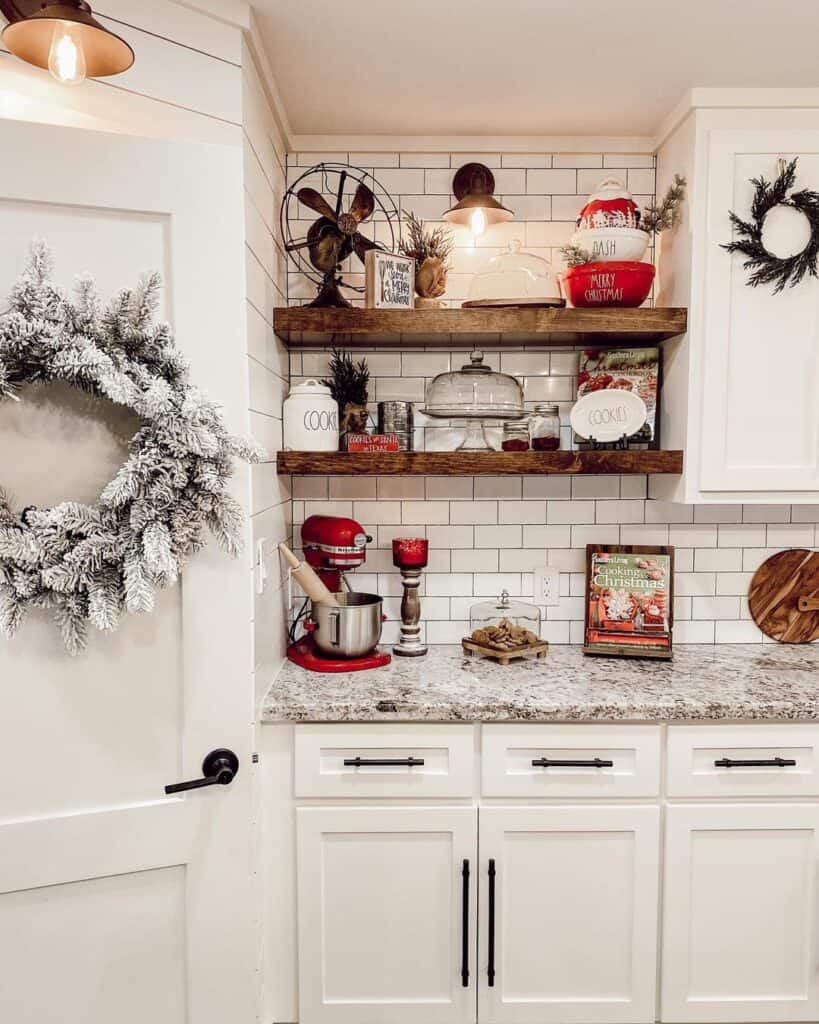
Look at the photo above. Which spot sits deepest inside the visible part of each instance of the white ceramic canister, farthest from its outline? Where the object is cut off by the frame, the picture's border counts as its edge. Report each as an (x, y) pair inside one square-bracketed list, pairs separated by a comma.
[(310, 418)]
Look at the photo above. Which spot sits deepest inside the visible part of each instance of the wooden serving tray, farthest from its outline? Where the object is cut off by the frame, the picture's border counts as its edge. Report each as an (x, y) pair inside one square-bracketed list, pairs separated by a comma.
[(539, 649)]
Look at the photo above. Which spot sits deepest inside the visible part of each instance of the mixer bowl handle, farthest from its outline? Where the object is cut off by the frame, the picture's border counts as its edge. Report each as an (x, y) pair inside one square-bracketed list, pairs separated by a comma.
[(335, 615)]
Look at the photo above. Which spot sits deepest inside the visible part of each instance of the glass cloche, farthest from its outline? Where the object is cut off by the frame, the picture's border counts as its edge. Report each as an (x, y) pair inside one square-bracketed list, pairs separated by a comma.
[(475, 390), (515, 278), (491, 613)]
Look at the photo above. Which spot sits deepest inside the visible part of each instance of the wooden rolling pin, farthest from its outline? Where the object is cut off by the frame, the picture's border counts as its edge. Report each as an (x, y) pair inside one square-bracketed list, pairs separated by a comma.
[(307, 579)]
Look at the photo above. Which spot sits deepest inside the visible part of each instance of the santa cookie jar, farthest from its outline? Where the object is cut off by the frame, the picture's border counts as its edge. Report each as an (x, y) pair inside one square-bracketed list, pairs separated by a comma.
[(608, 226)]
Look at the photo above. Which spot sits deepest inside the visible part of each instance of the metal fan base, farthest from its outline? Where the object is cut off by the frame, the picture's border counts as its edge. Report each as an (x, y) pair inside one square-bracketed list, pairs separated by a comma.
[(329, 297)]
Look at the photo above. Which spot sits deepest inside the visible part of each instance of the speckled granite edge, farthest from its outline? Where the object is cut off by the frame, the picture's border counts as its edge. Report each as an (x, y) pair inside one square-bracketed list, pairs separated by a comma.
[(737, 683)]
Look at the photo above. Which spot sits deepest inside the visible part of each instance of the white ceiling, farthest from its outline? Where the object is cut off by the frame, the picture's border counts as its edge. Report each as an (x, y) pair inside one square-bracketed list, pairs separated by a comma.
[(524, 67)]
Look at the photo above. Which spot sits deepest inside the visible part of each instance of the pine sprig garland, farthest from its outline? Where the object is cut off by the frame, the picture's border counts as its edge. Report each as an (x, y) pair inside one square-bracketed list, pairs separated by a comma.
[(768, 268), (89, 564)]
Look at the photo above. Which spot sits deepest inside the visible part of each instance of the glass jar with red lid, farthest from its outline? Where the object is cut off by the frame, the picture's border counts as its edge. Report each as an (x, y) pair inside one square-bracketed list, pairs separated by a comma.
[(544, 428)]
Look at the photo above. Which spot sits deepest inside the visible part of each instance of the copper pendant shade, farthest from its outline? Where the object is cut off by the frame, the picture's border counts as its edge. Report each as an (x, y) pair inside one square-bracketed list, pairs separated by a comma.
[(473, 186), (30, 33)]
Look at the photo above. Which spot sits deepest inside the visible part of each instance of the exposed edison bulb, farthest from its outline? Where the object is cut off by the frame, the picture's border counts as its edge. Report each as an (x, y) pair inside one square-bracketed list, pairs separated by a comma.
[(66, 59), (477, 222)]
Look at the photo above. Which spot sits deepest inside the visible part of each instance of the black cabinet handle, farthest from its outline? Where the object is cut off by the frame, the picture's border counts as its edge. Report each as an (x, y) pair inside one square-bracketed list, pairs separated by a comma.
[(490, 966), (595, 762), (771, 762), (383, 762), (219, 768), (465, 925)]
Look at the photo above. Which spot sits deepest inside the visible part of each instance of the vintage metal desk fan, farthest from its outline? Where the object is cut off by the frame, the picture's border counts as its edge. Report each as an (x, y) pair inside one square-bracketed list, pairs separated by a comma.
[(345, 198)]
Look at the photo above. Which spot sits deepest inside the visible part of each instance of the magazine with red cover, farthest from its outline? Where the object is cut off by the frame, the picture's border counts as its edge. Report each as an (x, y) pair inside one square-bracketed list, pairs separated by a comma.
[(629, 595)]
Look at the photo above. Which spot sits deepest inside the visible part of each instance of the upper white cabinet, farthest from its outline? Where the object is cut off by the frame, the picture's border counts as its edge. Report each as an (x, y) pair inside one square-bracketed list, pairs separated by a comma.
[(741, 387)]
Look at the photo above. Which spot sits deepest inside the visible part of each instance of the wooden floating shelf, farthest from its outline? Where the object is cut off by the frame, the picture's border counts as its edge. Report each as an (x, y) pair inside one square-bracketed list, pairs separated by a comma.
[(640, 328), (477, 463)]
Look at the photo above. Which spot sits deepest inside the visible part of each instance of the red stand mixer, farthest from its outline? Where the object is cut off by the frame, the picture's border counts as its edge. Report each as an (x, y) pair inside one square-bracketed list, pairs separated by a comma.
[(343, 629)]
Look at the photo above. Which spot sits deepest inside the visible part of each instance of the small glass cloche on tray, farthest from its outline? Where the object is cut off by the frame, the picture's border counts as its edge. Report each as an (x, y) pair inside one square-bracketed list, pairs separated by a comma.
[(503, 628)]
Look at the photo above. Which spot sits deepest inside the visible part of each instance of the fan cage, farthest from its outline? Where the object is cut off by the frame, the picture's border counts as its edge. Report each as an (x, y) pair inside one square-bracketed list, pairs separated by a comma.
[(358, 176)]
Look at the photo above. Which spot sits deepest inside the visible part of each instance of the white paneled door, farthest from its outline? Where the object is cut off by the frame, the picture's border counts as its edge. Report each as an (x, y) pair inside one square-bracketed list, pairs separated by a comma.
[(568, 920), (117, 902), (740, 914), (387, 906)]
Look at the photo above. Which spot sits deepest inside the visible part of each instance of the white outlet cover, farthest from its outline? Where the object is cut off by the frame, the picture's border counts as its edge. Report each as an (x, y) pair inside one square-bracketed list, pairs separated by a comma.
[(547, 586)]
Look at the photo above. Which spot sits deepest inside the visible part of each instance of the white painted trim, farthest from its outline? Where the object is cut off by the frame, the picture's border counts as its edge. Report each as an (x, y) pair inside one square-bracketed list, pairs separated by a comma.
[(233, 12), (471, 144), (254, 43)]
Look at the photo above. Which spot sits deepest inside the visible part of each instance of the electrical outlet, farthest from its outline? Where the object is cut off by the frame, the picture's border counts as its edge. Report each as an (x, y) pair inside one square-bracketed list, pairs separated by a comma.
[(547, 586)]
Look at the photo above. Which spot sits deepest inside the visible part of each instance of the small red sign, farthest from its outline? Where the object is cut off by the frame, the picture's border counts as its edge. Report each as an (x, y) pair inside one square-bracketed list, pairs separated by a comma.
[(373, 443)]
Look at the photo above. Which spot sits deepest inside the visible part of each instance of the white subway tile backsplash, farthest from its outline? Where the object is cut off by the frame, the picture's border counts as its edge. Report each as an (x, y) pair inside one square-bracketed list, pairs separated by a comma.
[(423, 159), (452, 584), (693, 632), (718, 514), (475, 560), (766, 513), (387, 512), (559, 181), (644, 533), (450, 536), (718, 560), (742, 632), (354, 488), (538, 536), (474, 512), (500, 537), (450, 487), (491, 584), (626, 510), (570, 512), (577, 160), (583, 535), (425, 513), (521, 512), (693, 535), (789, 535), (695, 584), (741, 536), (400, 488), (554, 487), (588, 180), (736, 583), (526, 160), (668, 512), (710, 607), (447, 632), (634, 487), (498, 487), (805, 513)]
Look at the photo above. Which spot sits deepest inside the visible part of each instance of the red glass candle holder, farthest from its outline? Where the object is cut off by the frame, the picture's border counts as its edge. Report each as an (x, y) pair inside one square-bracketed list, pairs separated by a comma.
[(410, 552)]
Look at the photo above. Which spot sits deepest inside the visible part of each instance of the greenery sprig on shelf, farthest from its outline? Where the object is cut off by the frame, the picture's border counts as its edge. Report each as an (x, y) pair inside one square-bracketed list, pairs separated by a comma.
[(424, 243)]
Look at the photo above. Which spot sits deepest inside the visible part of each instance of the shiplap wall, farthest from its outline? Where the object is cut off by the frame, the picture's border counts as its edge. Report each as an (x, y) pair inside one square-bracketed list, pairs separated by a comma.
[(487, 533)]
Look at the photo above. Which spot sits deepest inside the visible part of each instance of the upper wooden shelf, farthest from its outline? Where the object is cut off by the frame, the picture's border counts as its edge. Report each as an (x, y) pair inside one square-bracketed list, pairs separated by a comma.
[(300, 325), (479, 463)]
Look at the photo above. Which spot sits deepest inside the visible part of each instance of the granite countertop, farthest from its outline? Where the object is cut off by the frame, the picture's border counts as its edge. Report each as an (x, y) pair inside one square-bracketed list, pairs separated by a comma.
[(742, 682)]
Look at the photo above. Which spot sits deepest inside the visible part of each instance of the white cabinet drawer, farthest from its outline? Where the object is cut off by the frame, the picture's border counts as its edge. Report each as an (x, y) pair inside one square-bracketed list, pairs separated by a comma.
[(571, 761), (383, 761), (724, 760)]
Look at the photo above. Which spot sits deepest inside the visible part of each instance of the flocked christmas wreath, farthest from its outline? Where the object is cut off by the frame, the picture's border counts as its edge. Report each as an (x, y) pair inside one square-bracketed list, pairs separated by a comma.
[(768, 268), (89, 563)]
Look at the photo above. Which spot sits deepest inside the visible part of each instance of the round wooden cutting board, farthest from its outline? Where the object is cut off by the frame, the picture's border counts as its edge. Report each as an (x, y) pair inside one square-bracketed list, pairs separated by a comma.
[(775, 591)]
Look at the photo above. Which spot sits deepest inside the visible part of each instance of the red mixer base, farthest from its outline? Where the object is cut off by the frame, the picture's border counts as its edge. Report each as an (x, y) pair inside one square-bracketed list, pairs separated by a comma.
[(304, 653)]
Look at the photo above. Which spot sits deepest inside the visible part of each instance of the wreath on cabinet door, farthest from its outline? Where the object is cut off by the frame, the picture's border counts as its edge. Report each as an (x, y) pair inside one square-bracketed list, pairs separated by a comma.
[(768, 268), (89, 563)]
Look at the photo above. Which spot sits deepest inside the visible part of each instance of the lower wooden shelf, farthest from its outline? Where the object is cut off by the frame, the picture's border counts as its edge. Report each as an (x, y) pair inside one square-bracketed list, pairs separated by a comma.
[(477, 463)]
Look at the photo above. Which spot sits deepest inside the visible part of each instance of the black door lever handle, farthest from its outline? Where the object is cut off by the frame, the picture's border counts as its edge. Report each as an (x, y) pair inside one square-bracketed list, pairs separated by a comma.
[(219, 768)]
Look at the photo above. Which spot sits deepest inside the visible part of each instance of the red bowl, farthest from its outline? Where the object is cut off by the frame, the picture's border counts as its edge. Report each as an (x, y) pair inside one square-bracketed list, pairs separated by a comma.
[(616, 283)]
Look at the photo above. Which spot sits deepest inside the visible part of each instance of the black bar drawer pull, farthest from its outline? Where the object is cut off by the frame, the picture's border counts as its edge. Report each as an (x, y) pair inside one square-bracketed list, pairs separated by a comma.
[(595, 762), (490, 964), (465, 925), (771, 762), (383, 762)]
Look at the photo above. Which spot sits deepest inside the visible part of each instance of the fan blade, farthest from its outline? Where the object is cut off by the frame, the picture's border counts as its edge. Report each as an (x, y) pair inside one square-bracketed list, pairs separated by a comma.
[(326, 244), (362, 245), (363, 204), (316, 202)]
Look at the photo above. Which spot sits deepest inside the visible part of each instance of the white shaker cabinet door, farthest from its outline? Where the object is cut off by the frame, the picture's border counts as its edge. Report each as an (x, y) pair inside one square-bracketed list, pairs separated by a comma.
[(381, 896), (568, 918), (760, 351), (740, 914)]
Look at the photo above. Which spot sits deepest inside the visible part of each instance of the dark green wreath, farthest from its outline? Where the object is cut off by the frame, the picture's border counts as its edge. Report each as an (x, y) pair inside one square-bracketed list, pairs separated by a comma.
[(767, 268)]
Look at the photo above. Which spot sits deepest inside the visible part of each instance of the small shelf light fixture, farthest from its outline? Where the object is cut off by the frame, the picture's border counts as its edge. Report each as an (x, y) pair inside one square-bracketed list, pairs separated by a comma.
[(477, 207), (65, 39)]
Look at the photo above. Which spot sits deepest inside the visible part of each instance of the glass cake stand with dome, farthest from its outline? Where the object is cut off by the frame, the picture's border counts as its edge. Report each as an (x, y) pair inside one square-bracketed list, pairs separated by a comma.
[(515, 279), (474, 393)]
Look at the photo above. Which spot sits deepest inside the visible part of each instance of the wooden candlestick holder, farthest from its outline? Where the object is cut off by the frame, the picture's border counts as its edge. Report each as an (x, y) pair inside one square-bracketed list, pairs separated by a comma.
[(410, 646)]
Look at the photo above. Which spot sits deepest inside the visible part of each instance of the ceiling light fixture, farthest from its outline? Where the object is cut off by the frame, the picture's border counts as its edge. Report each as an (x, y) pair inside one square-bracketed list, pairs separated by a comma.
[(476, 208), (65, 39)]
